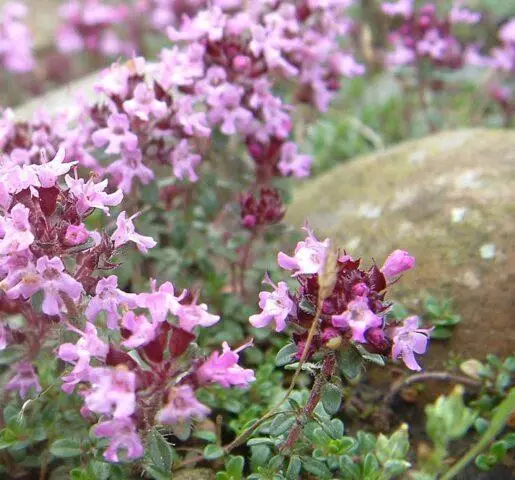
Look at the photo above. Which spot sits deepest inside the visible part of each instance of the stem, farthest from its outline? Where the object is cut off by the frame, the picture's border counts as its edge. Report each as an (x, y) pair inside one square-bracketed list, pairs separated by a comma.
[(245, 260), (505, 409), (314, 397), (421, 88), (422, 377)]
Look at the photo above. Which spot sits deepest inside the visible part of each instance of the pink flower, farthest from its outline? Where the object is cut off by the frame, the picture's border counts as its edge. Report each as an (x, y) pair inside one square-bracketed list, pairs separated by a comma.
[(122, 436), (410, 339), (76, 235), (24, 379), (293, 163), (359, 318), (128, 168), (49, 276), (184, 162), (108, 298), (87, 347), (91, 195), (226, 108), (112, 392), (193, 315), (207, 22), (276, 306), (459, 14), (144, 104), (507, 32), (397, 262), (49, 172), (117, 134), (182, 406), (160, 302), (3, 337), (401, 7), (224, 369), (16, 231), (142, 330), (126, 232), (308, 258)]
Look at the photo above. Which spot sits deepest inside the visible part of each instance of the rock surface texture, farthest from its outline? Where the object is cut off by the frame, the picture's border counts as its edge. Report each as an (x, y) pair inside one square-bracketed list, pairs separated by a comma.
[(448, 199)]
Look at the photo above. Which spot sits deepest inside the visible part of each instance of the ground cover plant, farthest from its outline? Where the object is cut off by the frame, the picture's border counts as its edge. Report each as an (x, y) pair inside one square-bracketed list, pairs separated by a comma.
[(158, 316)]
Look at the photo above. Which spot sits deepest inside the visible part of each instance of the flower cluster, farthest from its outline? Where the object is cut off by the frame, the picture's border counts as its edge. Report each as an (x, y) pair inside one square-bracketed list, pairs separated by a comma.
[(501, 60), (90, 25), (268, 209), (50, 273), (15, 39), (424, 35), (353, 312)]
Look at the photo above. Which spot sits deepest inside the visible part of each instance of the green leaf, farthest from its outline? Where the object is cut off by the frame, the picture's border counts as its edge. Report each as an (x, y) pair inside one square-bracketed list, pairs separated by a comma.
[(234, 467), (482, 463), (286, 355), (260, 441), (331, 398), (65, 448), (206, 435), (294, 466), (395, 447), (259, 456), (335, 428), (350, 363), (157, 474), (498, 450), (349, 468), (394, 468), (281, 424), (160, 452), (316, 467), (369, 357), (441, 333), (213, 451), (370, 466)]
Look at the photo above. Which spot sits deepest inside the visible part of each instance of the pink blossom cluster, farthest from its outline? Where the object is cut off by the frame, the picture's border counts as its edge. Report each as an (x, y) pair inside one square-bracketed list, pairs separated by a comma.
[(16, 41), (425, 35), (501, 59), (91, 25), (51, 268), (353, 312)]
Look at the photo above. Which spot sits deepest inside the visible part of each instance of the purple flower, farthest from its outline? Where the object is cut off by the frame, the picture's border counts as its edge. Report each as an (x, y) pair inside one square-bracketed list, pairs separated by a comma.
[(193, 315), (117, 134), (226, 108), (224, 369), (409, 339), (308, 258), (24, 379), (55, 280), (108, 298), (112, 392), (276, 306), (122, 436), (142, 330), (507, 32), (184, 162), (397, 262), (16, 231), (401, 7), (182, 406), (459, 14), (293, 163), (160, 302), (144, 104), (49, 172), (129, 167), (91, 195), (359, 318), (87, 347), (76, 235), (126, 232), (3, 337)]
